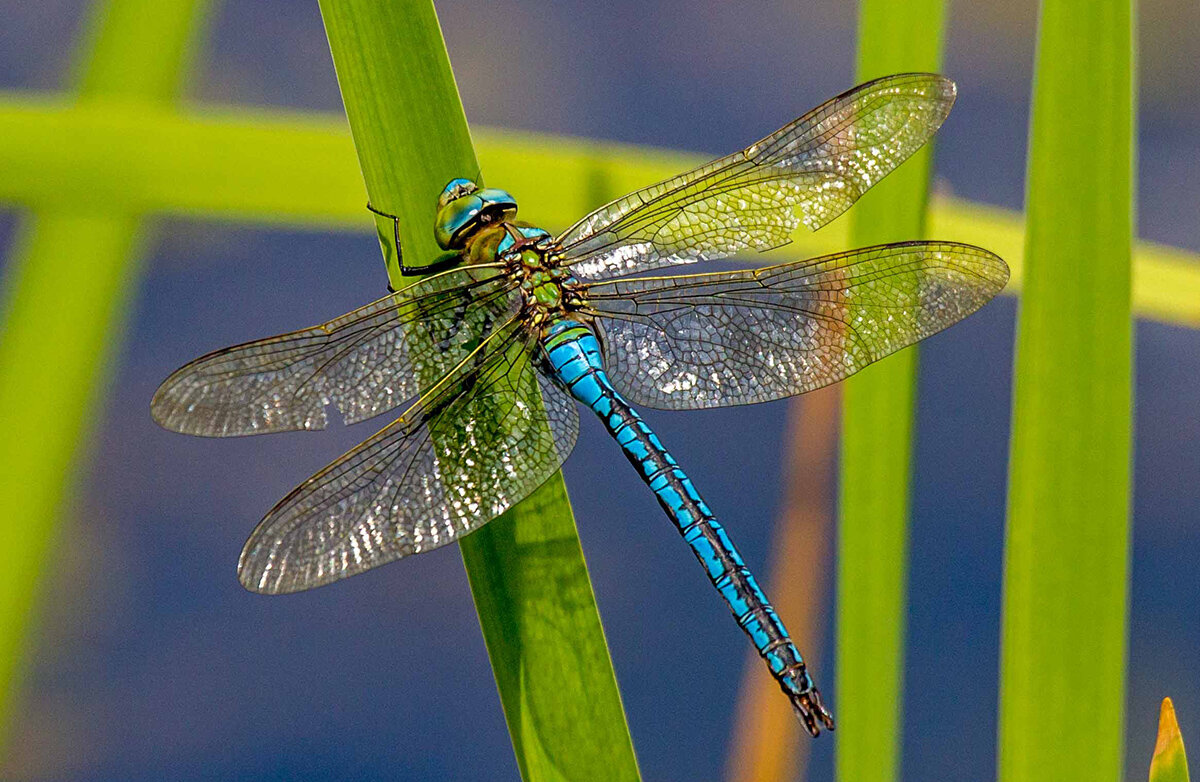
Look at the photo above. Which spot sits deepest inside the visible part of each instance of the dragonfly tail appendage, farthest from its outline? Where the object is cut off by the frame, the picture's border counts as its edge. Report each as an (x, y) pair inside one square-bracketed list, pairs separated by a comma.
[(810, 710), (574, 356)]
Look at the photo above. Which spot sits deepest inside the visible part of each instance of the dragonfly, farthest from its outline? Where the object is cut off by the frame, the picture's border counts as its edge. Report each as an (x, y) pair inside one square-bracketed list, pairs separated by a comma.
[(493, 352)]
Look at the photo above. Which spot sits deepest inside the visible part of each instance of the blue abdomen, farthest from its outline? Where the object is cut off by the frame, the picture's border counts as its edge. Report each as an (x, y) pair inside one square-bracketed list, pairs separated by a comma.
[(574, 357)]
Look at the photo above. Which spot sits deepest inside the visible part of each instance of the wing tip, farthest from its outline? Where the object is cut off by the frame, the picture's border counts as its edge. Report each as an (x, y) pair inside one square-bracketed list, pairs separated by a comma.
[(177, 408), (949, 90), (1004, 273), (945, 84), (164, 405), (169, 413), (998, 270), (256, 576), (158, 409), (989, 266), (942, 89)]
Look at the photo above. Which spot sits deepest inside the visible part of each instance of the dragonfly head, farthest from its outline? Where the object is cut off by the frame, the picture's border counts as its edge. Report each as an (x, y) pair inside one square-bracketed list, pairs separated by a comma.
[(464, 207)]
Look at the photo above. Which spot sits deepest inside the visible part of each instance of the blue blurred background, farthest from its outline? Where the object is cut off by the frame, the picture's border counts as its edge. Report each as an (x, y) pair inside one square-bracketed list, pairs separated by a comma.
[(152, 663)]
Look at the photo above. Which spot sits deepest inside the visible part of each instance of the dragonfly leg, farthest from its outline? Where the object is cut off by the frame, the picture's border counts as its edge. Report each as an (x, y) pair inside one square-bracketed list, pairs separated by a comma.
[(445, 261), (395, 241)]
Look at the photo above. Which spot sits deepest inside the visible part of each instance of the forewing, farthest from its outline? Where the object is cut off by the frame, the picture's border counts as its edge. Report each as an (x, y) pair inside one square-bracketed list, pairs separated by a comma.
[(732, 338), (485, 438), (809, 172), (365, 363)]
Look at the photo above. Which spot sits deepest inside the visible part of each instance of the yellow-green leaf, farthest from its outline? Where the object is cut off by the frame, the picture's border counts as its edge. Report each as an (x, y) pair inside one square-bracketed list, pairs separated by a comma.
[(1169, 763)]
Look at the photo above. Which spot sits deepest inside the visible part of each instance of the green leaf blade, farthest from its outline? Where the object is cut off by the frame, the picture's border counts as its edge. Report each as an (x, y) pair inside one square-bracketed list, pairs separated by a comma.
[(877, 432), (526, 568), (1063, 638)]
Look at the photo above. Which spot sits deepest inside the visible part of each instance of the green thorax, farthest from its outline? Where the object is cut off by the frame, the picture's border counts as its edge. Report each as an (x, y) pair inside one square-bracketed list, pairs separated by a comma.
[(480, 225), (544, 287)]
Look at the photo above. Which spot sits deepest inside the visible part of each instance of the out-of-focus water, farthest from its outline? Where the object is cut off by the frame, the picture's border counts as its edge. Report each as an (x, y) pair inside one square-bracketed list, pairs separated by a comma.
[(151, 662)]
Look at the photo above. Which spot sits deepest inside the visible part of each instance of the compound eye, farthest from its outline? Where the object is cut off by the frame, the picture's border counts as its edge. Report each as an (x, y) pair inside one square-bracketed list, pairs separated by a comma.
[(456, 188)]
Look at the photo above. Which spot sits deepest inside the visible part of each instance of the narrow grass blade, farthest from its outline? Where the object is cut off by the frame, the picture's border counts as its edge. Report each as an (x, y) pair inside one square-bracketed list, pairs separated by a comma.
[(1063, 638), (65, 292), (877, 422), (526, 568), (1169, 763)]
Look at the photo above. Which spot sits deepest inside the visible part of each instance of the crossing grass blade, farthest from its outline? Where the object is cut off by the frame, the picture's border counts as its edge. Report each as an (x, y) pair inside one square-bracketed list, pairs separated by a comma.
[(877, 422), (526, 568), (1169, 763), (65, 292), (239, 165), (1066, 580)]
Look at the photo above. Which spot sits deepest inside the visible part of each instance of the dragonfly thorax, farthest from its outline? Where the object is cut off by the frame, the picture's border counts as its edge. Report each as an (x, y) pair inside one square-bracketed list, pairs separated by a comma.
[(546, 286), (543, 289)]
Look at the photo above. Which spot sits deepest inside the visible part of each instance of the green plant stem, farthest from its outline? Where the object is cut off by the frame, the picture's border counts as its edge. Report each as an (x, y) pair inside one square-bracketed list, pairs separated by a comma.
[(1066, 580), (66, 290), (526, 568), (877, 431)]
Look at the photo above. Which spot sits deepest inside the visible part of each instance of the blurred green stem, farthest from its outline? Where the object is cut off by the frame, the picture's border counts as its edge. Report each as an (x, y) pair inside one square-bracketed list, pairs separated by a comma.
[(877, 425), (66, 290)]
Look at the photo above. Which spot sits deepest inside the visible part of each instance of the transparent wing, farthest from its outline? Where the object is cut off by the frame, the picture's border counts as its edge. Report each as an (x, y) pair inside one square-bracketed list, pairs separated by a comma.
[(809, 171), (486, 437), (366, 362), (732, 338)]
